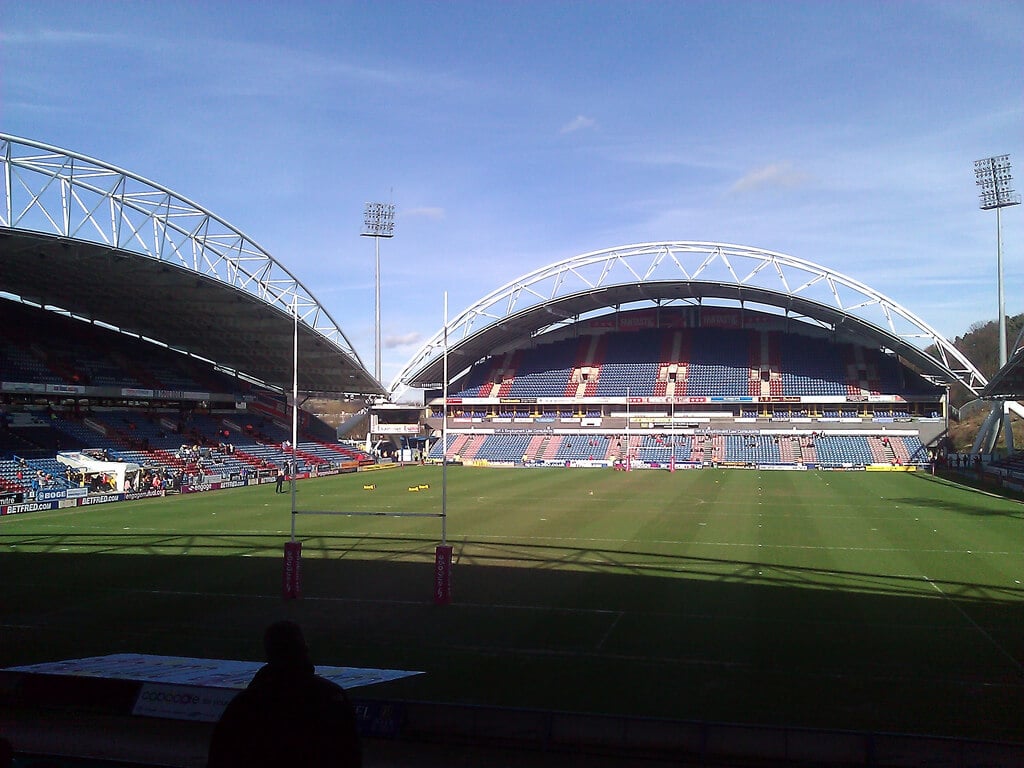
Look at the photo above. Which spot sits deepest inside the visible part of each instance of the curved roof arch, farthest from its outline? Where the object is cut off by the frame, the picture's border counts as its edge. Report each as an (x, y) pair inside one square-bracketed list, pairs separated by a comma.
[(99, 243), (681, 273)]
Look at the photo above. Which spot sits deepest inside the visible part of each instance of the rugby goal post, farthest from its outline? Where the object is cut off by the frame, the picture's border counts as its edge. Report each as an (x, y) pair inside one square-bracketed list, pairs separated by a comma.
[(292, 577), (443, 555)]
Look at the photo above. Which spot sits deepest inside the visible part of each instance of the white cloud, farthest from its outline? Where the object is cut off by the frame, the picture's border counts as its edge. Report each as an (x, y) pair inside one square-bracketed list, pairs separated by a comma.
[(61, 37), (396, 341), (423, 212), (578, 123), (771, 175)]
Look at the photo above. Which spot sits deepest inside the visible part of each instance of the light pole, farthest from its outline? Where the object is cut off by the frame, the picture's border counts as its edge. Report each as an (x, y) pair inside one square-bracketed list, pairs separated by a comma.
[(993, 177), (378, 222)]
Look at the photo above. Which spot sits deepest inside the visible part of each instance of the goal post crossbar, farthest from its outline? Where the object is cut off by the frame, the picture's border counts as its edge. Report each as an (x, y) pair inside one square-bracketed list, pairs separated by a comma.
[(366, 514)]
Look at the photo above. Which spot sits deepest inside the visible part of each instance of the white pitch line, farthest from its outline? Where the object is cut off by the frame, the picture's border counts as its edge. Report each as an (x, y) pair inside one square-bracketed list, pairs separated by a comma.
[(985, 634), (608, 632)]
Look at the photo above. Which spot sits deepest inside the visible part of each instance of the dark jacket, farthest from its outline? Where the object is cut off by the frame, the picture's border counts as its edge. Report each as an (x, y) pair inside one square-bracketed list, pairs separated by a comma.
[(287, 717)]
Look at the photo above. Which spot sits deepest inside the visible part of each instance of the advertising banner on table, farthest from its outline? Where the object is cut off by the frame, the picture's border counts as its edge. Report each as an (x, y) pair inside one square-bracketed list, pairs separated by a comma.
[(183, 688), (182, 702)]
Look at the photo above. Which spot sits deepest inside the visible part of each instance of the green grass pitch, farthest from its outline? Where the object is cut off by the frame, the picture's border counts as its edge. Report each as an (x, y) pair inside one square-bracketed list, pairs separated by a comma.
[(883, 601)]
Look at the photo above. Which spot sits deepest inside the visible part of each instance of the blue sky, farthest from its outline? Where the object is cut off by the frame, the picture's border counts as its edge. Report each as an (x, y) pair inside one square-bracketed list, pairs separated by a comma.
[(511, 135)]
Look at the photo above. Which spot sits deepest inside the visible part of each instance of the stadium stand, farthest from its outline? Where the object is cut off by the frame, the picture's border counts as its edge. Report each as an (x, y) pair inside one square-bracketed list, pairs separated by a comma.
[(773, 393), (680, 395)]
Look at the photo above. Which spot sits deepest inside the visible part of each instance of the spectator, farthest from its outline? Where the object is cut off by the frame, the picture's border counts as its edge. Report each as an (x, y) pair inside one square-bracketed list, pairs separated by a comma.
[(288, 715)]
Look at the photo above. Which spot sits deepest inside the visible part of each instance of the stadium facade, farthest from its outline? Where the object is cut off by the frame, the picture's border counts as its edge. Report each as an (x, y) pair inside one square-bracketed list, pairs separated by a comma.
[(138, 327), (686, 354)]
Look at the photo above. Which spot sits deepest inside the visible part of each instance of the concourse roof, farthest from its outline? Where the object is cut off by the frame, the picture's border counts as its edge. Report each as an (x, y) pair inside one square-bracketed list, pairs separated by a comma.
[(1008, 382), (174, 306), (80, 236), (684, 273)]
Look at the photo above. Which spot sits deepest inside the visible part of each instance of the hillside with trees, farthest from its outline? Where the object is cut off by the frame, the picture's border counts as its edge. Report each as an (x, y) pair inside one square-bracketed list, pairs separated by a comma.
[(981, 343)]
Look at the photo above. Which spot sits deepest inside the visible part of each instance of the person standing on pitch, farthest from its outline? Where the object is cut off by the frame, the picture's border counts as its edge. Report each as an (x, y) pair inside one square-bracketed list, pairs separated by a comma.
[(288, 715), (280, 481)]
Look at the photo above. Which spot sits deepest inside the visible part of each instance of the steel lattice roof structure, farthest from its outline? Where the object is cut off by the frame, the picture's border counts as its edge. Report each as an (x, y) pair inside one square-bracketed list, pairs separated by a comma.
[(683, 273), (1008, 381), (92, 241)]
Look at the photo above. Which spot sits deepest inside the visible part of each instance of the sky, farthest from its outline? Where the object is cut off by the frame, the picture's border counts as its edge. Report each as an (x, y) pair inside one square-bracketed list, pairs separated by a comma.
[(511, 135)]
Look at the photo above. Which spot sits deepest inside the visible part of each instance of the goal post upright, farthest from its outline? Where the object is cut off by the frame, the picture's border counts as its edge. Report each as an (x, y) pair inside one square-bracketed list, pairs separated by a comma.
[(443, 553), (294, 468), (292, 576), (444, 431)]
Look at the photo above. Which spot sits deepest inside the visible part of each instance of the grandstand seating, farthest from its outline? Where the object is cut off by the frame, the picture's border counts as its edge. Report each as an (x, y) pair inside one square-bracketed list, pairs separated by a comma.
[(807, 450), (751, 449), (653, 449), (820, 449), (810, 367), (583, 448), (631, 364), (77, 353), (504, 448), (13, 476), (719, 364), (836, 450), (541, 371), (153, 441), (704, 362)]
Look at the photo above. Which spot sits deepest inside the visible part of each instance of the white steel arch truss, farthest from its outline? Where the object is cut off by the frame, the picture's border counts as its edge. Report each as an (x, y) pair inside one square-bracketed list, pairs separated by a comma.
[(685, 273), (56, 192)]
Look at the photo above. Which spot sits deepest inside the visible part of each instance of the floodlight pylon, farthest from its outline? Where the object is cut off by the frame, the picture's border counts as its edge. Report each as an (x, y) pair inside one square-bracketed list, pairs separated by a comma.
[(378, 222), (994, 178)]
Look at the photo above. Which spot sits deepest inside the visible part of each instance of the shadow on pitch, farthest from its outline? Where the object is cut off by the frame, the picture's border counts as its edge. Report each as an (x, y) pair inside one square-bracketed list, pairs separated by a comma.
[(1014, 505), (530, 556)]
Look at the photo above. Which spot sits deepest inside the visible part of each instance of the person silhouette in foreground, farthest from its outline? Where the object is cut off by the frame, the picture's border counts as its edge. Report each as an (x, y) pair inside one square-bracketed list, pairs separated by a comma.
[(288, 716)]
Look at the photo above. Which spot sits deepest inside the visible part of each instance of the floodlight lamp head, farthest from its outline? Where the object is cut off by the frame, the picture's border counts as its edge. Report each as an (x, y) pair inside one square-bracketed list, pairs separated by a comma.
[(379, 220), (992, 175)]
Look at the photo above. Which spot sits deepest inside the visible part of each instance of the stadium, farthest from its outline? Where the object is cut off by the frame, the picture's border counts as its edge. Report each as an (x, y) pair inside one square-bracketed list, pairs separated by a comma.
[(150, 354)]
